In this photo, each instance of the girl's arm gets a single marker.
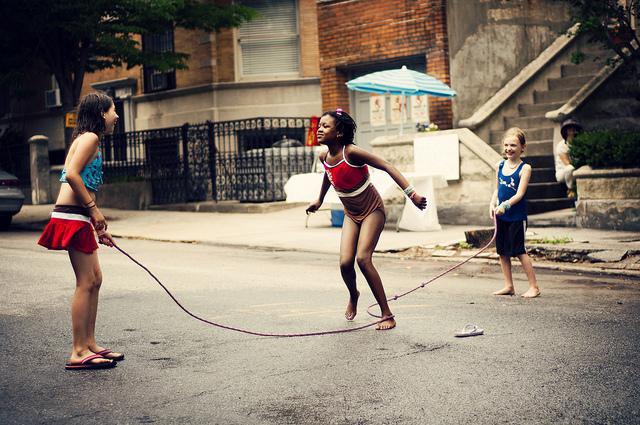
(324, 188)
(360, 157)
(86, 148)
(564, 157)
(494, 197)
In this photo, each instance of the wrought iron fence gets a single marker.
(248, 160)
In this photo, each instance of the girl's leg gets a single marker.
(348, 243)
(370, 230)
(505, 264)
(94, 308)
(527, 265)
(87, 284)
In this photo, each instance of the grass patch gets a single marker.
(551, 240)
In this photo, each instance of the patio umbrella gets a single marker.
(404, 82)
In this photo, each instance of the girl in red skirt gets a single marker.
(346, 169)
(73, 221)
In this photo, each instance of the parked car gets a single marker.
(11, 198)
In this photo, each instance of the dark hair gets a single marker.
(90, 111)
(344, 124)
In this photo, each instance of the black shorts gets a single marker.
(510, 238)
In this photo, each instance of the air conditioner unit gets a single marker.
(52, 98)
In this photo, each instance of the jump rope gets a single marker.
(305, 334)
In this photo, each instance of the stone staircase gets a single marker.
(544, 193)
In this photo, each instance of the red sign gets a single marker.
(312, 136)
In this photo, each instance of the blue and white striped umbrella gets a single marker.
(401, 82)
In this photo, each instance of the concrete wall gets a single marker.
(229, 101)
(463, 201)
(490, 41)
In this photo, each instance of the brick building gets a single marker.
(267, 67)
(363, 36)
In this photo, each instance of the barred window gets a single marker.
(155, 80)
(269, 44)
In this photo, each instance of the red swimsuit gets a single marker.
(351, 183)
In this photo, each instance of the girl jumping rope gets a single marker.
(509, 207)
(72, 224)
(346, 169)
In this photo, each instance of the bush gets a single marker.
(606, 149)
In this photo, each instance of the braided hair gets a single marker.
(344, 125)
(90, 114)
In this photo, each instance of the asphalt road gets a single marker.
(570, 356)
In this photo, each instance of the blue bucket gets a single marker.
(337, 218)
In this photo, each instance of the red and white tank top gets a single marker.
(347, 178)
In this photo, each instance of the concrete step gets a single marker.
(543, 175)
(540, 148)
(574, 82)
(526, 122)
(553, 95)
(547, 190)
(545, 161)
(558, 218)
(532, 134)
(538, 108)
(584, 68)
(537, 206)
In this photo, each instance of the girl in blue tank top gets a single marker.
(75, 222)
(509, 207)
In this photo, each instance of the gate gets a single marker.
(255, 157)
(247, 160)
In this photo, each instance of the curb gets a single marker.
(545, 265)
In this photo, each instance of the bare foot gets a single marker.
(531, 293)
(352, 307)
(505, 291)
(390, 323)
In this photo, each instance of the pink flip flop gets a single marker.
(86, 363)
(107, 351)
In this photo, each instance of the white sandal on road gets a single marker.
(469, 330)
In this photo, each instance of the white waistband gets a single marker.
(69, 216)
(356, 192)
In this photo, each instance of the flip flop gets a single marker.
(469, 330)
(86, 363)
(106, 351)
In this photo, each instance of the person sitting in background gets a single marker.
(564, 169)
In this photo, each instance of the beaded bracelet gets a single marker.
(409, 190)
(506, 205)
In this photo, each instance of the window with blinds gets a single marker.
(268, 45)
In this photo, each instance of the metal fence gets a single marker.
(248, 160)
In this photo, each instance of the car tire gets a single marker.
(5, 221)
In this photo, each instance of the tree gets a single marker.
(68, 38)
(611, 23)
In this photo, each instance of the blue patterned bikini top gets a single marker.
(91, 174)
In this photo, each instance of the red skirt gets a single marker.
(69, 227)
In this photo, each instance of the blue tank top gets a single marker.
(508, 187)
(91, 174)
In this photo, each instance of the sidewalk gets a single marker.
(281, 227)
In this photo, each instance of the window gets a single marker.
(268, 45)
(155, 80)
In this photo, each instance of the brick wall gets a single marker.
(356, 32)
(308, 29)
(197, 44)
